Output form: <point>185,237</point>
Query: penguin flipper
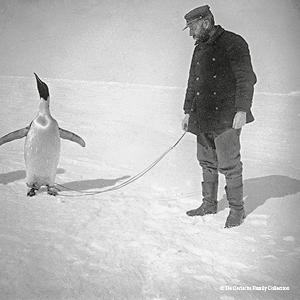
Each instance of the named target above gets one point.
<point>68,135</point>
<point>18,134</point>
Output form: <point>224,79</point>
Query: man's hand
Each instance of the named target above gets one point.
<point>239,120</point>
<point>185,122</point>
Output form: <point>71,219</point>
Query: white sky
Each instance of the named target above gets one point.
<point>142,41</point>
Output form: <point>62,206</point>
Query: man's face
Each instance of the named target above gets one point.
<point>198,31</point>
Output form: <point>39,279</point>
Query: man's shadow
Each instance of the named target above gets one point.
<point>258,190</point>
<point>9,177</point>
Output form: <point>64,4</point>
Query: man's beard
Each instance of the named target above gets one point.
<point>203,35</point>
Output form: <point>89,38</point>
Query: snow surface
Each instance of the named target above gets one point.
<point>138,243</point>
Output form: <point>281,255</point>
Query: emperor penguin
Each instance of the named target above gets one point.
<point>42,145</point>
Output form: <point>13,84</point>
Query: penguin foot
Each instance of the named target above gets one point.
<point>52,190</point>
<point>33,187</point>
<point>31,192</point>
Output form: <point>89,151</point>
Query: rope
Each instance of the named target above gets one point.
<point>127,182</point>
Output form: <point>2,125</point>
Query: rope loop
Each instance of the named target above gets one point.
<point>126,182</point>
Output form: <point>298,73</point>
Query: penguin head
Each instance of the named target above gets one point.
<point>42,88</point>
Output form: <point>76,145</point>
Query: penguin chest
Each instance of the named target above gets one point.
<point>42,150</point>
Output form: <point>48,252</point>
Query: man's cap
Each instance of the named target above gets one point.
<point>196,14</point>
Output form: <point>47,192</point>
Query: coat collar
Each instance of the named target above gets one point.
<point>213,38</point>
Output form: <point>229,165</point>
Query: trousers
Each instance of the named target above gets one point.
<point>219,151</point>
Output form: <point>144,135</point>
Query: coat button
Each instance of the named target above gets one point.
<point>197,93</point>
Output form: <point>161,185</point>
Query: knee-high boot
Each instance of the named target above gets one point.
<point>210,202</point>
<point>236,204</point>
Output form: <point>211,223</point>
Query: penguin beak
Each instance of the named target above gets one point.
<point>42,88</point>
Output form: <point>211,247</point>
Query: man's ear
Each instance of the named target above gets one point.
<point>206,24</point>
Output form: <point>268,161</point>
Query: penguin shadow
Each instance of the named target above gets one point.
<point>84,185</point>
<point>9,177</point>
<point>258,190</point>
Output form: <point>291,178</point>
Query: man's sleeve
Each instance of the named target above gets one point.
<point>240,62</point>
<point>190,91</point>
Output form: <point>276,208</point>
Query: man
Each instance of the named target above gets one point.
<point>217,105</point>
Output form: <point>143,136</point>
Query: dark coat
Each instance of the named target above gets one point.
<point>221,81</point>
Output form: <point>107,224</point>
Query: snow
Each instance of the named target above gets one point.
<point>137,242</point>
